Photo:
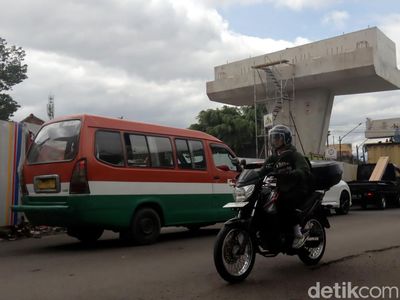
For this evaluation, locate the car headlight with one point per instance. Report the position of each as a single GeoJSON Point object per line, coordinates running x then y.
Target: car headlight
{"type": "Point", "coordinates": [244, 192]}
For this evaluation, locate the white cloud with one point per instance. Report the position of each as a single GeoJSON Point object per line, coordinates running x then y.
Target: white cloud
{"type": "Point", "coordinates": [291, 4]}
{"type": "Point", "coordinates": [350, 110]}
{"type": "Point", "coordinates": [148, 60]}
{"type": "Point", "coordinates": [88, 87]}
{"type": "Point", "coordinates": [302, 4]}
{"type": "Point", "coordinates": [145, 60]}
{"type": "Point", "coordinates": [336, 18]}
{"type": "Point", "coordinates": [390, 25]}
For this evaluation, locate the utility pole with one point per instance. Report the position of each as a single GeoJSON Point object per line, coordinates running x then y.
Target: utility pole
{"type": "Point", "coordinates": [327, 138]}
{"type": "Point", "coordinates": [358, 161]}
{"type": "Point", "coordinates": [341, 139]}
{"type": "Point", "coordinates": [50, 107]}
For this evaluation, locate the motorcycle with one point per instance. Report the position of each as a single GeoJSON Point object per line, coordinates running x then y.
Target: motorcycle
{"type": "Point", "coordinates": [258, 227]}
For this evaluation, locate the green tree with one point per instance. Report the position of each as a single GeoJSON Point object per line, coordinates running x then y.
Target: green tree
{"type": "Point", "coordinates": [234, 126]}
{"type": "Point", "coordinates": [12, 72]}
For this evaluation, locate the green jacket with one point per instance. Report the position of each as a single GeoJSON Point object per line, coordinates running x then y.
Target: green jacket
{"type": "Point", "coordinates": [295, 170]}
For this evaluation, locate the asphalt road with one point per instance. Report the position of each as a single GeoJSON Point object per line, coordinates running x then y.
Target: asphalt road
{"type": "Point", "coordinates": [363, 249]}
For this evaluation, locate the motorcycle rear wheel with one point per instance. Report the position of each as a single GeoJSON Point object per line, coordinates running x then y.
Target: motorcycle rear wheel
{"type": "Point", "coordinates": [312, 254]}
{"type": "Point", "coordinates": [234, 254]}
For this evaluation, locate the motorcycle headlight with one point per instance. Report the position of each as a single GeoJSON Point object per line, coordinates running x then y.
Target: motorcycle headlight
{"type": "Point", "coordinates": [244, 192]}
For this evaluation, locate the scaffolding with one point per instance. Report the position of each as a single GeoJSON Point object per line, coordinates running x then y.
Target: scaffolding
{"type": "Point", "coordinates": [278, 93]}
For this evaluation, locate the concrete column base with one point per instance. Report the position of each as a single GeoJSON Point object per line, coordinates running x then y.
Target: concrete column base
{"type": "Point", "coordinates": [311, 112]}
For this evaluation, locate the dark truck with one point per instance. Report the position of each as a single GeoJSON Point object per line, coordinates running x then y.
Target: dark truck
{"type": "Point", "coordinates": [379, 193]}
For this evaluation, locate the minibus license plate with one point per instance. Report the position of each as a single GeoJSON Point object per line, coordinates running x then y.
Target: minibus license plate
{"type": "Point", "coordinates": [46, 184]}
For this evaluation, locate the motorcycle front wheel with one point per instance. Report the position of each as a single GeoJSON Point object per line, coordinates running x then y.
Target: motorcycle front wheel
{"type": "Point", "coordinates": [234, 254]}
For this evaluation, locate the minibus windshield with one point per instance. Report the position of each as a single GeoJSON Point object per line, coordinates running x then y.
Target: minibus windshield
{"type": "Point", "coordinates": [55, 142]}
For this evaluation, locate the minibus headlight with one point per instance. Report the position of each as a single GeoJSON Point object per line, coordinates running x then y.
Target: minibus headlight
{"type": "Point", "coordinates": [244, 192]}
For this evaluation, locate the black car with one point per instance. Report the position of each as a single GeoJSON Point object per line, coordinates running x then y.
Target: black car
{"type": "Point", "coordinates": [378, 193]}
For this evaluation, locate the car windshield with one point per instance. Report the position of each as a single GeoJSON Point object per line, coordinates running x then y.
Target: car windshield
{"type": "Point", "coordinates": [55, 142]}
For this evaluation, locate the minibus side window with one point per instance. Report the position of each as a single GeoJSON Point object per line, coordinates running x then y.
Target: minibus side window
{"type": "Point", "coordinates": [137, 150]}
{"type": "Point", "coordinates": [197, 151]}
{"type": "Point", "coordinates": [160, 152]}
{"type": "Point", "coordinates": [222, 157]}
{"type": "Point", "coordinates": [190, 154]}
{"type": "Point", "coordinates": [183, 154]}
{"type": "Point", "coordinates": [109, 147]}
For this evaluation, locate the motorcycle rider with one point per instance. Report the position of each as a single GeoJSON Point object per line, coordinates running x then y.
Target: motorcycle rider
{"type": "Point", "coordinates": [293, 177]}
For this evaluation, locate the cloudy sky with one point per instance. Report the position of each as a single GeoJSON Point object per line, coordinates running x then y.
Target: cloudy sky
{"type": "Point", "coordinates": [149, 60]}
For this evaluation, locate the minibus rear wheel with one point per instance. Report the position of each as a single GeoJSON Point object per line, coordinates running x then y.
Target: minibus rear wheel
{"type": "Point", "coordinates": [145, 226]}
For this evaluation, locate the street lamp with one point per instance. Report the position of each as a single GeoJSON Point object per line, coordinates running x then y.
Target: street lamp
{"type": "Point", "coordinates": [357, 147]}
{"type": "Point", "coordinates": [341, 139]}
{"type": "Point", "coordinates": [327, 138]}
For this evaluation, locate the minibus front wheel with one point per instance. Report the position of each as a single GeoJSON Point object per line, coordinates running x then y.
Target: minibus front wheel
{"type": "Point", "coordinates": [145, 227]}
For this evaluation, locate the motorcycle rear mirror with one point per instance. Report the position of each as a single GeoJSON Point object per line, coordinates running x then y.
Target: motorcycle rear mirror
{"type": "Point", "coordinates": [243, 163]}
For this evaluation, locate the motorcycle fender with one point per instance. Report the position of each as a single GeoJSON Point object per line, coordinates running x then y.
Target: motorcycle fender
{"type": "Point", "coordinates": [235, 205]}
{"type": "Point", "coordinates": [324, 221]}
{"type": "Point", "coordinates": [236, 222]}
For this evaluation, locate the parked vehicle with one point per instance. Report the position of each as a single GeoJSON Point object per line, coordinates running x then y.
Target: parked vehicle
{"type": "Point", "coordinates": [378, 193]}
{"type": "Point", "coordinates": [89, 173]}
{"type": "Point", "coordinates": [257, 228]}
{"type": "Point", "coordinates": [338, 197]}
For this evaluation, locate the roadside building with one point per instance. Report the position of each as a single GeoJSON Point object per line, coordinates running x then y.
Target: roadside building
{"type": "Point", "coordinates": [15, 138]}
{"type": "Point", "coordinates": [343, 152]}
{"type": "Point", "coordinates": [376, 150]}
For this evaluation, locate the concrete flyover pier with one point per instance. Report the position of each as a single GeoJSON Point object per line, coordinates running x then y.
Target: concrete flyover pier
{"type": "Point", "coordinates": [358, 62]}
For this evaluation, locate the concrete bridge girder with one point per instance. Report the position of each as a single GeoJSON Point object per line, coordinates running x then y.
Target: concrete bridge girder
{"type": "Point", "coordinates": [358, 62]}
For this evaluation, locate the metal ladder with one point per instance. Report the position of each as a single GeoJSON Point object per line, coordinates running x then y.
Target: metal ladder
{"type": "Point", "coordinates": [275, 89]}
{"type": "Point", "coordinates": [281, 94]}
{"type": "Point", "coordinates": [271, 73]}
